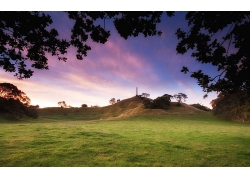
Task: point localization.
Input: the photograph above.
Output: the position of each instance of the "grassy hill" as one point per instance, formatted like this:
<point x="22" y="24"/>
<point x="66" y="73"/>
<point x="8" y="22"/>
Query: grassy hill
<point x="76" y="137"/>
<point x="125" y="108"/>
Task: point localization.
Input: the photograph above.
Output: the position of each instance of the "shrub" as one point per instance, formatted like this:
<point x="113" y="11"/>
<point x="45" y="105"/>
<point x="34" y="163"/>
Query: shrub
<point x="147" y="103"/>
<point x="84" y="105"/>
<point x="162" y="102"/>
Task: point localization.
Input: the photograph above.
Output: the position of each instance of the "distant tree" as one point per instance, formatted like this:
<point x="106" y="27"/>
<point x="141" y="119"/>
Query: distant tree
<point x="9" y="91"/>
<point x="168" y="96"/>
<point x="145" y="95"/>
<point x="162" y="102"/>
<point x="62" y="104"/>
<point x="180" y="97"/>
<point x="84" y="105"/>
<point x="118" y="100"/>
<point x="112" y="101"/>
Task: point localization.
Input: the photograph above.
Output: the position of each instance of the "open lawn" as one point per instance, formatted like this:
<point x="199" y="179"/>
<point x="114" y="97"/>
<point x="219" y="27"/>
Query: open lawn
<point x="197" y="139"/>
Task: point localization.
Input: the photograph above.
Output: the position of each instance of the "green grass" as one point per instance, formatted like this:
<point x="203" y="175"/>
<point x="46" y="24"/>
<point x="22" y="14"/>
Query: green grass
<point x="165" y="140"/>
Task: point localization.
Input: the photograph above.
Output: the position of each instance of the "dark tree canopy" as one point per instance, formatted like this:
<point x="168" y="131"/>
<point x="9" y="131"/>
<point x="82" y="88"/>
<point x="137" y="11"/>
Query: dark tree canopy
<point x="10" y="91"/>
<point x="26" y="37"/>
<point x="84" y="105"/>
<point x="14" y="103"/>
<point x="162" y="102"/>
<point x="221" y="39"/>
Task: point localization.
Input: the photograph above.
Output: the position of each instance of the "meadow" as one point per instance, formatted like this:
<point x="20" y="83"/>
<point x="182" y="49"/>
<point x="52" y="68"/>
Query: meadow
<point x="72" y="138"/>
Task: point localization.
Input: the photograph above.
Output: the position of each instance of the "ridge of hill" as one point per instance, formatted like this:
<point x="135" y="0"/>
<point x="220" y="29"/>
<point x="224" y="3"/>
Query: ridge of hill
<point x="134" y="106"/>
<point x="126" y="108"/>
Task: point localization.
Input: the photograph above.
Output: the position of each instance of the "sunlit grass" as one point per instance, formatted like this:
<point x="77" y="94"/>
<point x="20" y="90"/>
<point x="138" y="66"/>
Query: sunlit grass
<point x="169" y="140"/>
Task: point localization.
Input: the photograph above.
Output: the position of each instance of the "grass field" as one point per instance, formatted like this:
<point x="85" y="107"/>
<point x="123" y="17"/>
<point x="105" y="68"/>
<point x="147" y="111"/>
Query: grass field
<point x="74" y="138"/>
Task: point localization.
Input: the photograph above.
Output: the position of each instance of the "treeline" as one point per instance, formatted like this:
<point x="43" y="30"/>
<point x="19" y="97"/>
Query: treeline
<point x="163" y="102"/>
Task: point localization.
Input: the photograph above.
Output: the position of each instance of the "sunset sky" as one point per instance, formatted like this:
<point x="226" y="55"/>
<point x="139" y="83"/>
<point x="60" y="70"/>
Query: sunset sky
<point x="115" y="69"/>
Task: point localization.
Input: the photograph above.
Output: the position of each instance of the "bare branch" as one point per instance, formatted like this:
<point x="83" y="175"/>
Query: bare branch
<point x="228" y="32"/>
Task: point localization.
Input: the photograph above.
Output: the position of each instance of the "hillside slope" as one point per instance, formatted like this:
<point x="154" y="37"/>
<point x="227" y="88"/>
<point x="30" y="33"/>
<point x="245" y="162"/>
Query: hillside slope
<point x="125" y="108"/>
<point x="134" y="106"/>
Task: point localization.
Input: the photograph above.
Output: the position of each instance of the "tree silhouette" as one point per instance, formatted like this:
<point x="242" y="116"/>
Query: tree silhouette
<point x="10" y="91"/>
<point x="25" y="36"/>
<point x="62" y="104"/>
<point x="14" y="103"/>
<point x="145" y="95"/>
<point x="84" y="105"/>
<point x="162" y="102"/>
<point x="112" y="101"/>
<point x="222" y="40"/>
<point x="180" y="97"/>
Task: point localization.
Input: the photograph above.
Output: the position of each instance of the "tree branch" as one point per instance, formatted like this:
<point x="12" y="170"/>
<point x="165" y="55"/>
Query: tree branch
<point x="228" y="32"/>
<point x="218" y="76"/>
<point x="229" y="44"/>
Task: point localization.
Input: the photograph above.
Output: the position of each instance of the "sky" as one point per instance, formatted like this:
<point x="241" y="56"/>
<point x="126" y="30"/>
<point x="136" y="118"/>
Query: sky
<point x="115" y="69"/>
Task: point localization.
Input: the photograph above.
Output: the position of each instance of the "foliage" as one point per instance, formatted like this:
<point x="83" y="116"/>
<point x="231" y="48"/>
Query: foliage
<point x="14" y="103"/>
<point x="201" y="107"/>
<point x="28" y="36"/>
<point x="118" y="100"/>
<point x="146" y="95"/>
<point x="112" y="101"/>
<point x="10" y="91"/>
<point x="84" y="105"/>
<point x="147" y="103"/>
<point x="62" y="104"/>
<point x="25" y="37"/>
<point x="14" y="109"/>
<point x="180" y="97"/>
<point x="162" y="102"/>
<point x="234" y="106"/>
<point x="222" y="40"/>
